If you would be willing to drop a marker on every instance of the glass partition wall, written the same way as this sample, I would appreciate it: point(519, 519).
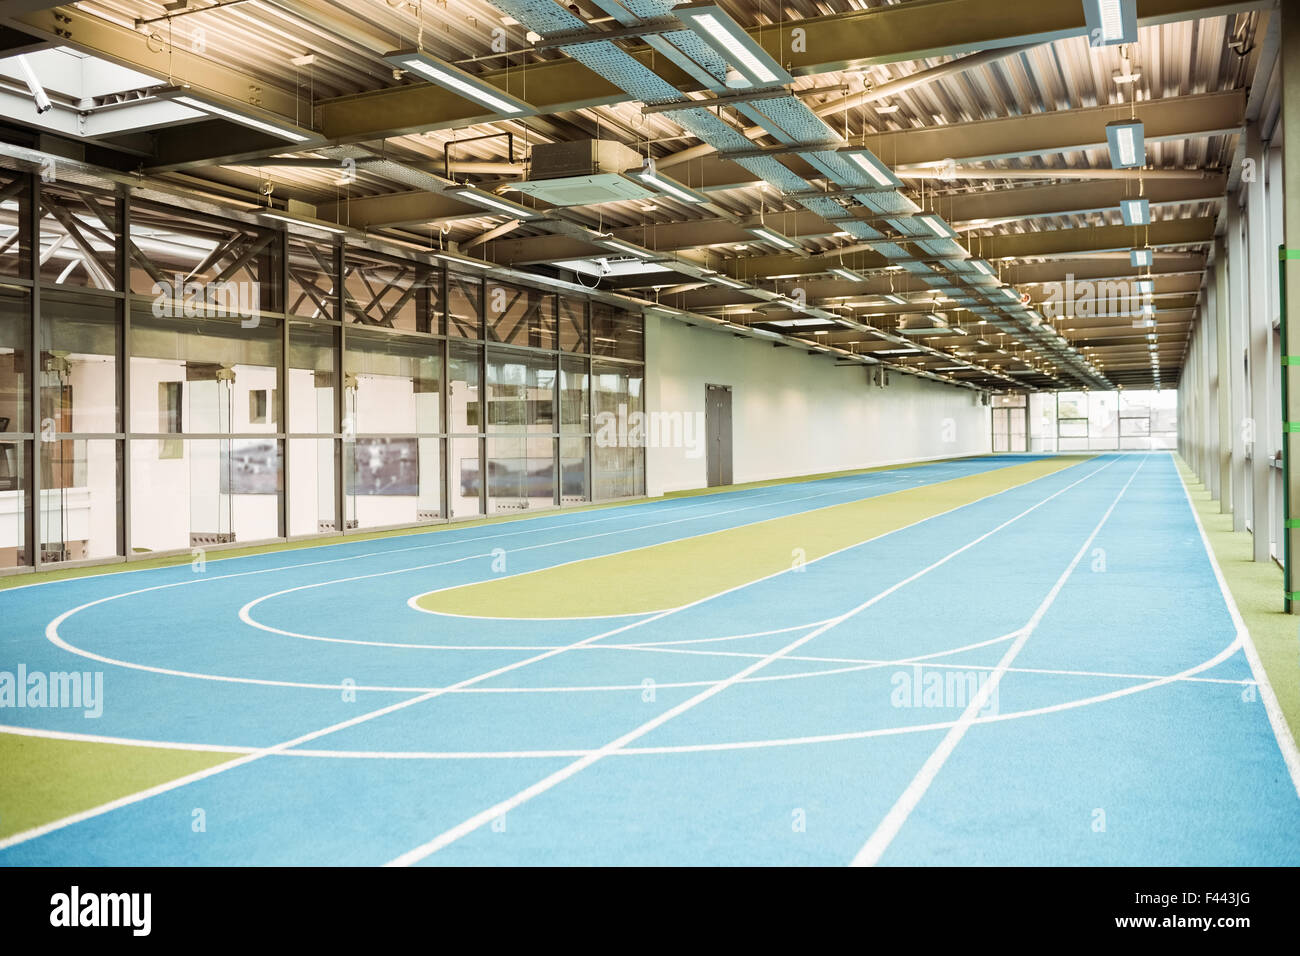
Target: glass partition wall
point(172, 381)
point(1122, 420)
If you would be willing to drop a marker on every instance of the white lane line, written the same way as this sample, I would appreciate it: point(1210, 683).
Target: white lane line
point(861, 482)
point(1210, 664)
point(485, 817)
point(280, 747)
point(893, 821)
point(618, 511)
point(58, 641)
point(245, 612)
point(1186, 676)
point(1276, 719)
point(59, 824)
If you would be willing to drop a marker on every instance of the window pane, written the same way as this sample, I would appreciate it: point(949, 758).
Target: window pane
point(575, 394)
point(392, 481)
point(520, 316)
point(15, 358)
point(312, 377)
point(390, 293)
point(573, 471)
point(1072, 405)
point(215, 491)
point(78, 364)
point(222, 268)
point(393, 383)
point(311, 486)
point(79, 237)
point(521, 473)
point(463, 394)
point(466, 480)
point(13, 508)
point(572, 323)
point(80, 493)
point(464, 306)
point(615, 333)
point(520, 392)
point(617, 464)
point(15, 236)
point(311, 279)
point(226, 374)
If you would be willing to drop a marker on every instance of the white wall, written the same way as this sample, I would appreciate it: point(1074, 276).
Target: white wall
point(799, 414)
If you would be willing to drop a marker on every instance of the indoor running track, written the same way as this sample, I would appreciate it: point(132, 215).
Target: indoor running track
point(1098, 704)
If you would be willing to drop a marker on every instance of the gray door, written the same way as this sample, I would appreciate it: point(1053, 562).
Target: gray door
point(717, 431)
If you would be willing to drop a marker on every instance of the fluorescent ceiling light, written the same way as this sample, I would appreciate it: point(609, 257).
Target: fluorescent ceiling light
point(43, 104)
point(730, 283)
point(1126, 143)
point(846, 274)
point(457, 80)
point(716, 28)
point(626, 247)
point(461, 261)
point(1136, 212)
point(493, 202)
point(896, 299)
point(775, 238)
point(891, 108)
point(275, 129)
point(652, 177)
point(937, 226)
point(795, 323)
point(982, 266)
point(1140, 257)
point(869, 163)
point(303, 222)
point(1110, 21)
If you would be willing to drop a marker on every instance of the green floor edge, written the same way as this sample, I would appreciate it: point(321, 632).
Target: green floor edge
point(221, 554)
point(46, 779)
point(1256, 586)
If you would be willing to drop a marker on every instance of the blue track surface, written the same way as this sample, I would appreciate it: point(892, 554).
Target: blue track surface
point(1125, 727)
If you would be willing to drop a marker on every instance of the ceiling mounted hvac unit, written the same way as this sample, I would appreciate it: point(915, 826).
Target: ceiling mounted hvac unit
point(583, 173)
point(925, 323)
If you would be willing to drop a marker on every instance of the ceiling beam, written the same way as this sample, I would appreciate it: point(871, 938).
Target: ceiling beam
point(1059, 131)
point(402, 210)
point(1048, 243)
point(1000, 204)
point(906, 32)
point(215, 140)
point(1061, 199)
